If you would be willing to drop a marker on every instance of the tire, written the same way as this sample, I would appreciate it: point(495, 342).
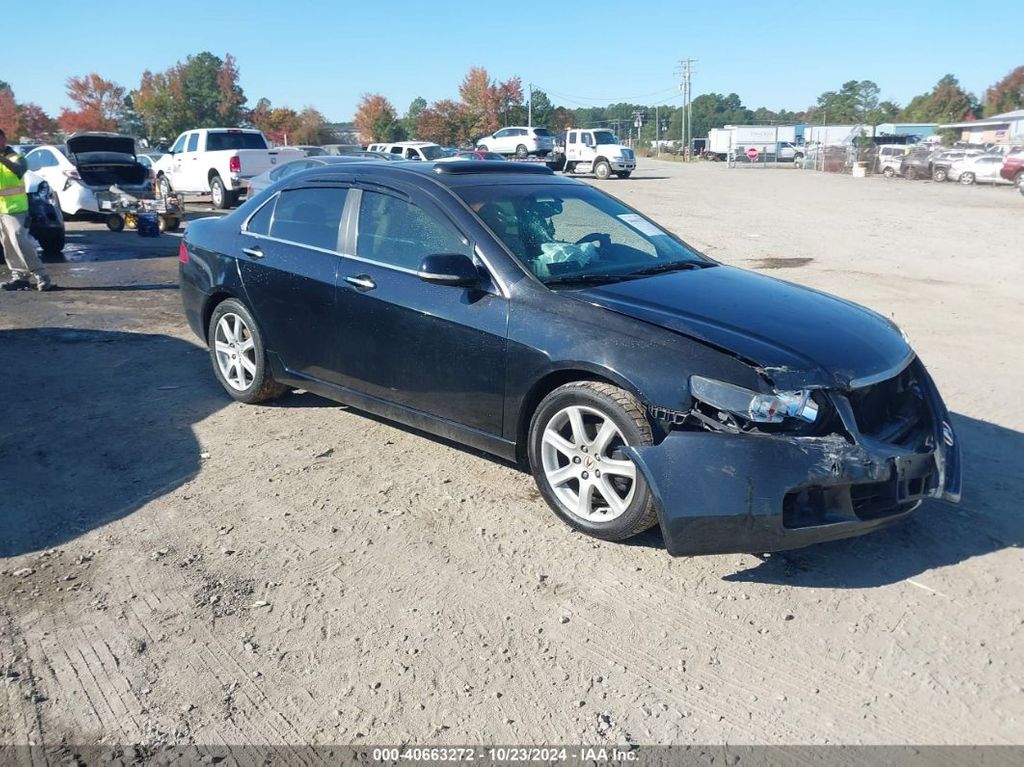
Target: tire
point(1018, 181)
point(624, 173)
point(910, 175)
point(52, 245)
point(233, 337)
point(939, 174)
point(522, 152)
point(164, 187)
point(482, 147)
point(595, 404)
point(602, 170)
point(115, 222)
point(966, 178)
point(888, 173)
point(218, 194)
point(168, 224)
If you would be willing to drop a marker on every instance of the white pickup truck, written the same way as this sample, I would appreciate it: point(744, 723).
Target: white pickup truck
point(597, 151)
point(218, 162)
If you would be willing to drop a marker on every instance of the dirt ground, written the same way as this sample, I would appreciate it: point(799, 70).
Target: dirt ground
point(178, 568)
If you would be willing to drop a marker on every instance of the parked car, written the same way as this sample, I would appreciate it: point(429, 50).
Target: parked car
point(1013, 169)
point(82, 171)
point(521, 141)
point(411, 150)
point(310, 149)
point(917, 164)
point(940, 164)
point(535, 317)
point(342, 148)
point(889, 160)
point(258, 183)
point(218, 162)
point(45, 221)
point(983, 169)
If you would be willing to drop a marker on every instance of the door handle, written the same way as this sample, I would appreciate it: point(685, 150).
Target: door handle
point(254, 252)
point(361, 281)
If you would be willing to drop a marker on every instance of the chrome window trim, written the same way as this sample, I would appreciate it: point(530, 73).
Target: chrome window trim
point(885, 375)
point(245, 224)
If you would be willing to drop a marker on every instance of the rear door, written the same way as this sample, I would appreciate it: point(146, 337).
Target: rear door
point(436, 349)
point(289, 266)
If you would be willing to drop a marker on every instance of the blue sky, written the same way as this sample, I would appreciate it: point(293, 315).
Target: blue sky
point(591, 53)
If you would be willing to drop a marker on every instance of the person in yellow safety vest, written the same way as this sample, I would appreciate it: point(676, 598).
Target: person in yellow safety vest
point(19, 246)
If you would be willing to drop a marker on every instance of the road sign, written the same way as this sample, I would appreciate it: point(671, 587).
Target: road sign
point(752, 154)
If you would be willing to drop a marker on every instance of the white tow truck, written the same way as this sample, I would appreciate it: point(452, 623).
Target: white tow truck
point(596, 151)
point(218, 162)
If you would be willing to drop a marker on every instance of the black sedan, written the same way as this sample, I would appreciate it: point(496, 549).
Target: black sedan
point(539, 319)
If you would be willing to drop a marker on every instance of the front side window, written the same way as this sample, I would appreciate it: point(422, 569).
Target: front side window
point(572, 234)
point(309, 216)
point(605, 137)
point(399, 233)
point(179, 145)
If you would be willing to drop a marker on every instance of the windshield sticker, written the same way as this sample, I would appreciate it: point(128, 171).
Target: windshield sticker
point(641, 224)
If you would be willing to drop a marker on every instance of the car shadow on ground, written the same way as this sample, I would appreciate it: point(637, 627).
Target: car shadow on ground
point(96, 424)
point(989, 518)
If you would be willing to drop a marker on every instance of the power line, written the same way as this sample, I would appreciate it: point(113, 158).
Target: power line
point(595, 101)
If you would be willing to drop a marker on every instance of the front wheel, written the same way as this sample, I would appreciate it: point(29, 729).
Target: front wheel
point(939, 174)
point(219, 194)
point(602, 170)
point(522, 152)
point(576, 441)
point(888, 173)
point(966, 179)
point(238, 354)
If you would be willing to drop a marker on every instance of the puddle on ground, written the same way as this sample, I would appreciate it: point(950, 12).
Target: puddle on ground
point(779, 263)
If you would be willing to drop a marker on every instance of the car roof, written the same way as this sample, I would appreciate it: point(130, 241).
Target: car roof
point(448, 174)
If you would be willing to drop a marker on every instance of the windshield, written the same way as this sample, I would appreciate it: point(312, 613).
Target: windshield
point(433, 152)
point(605, 137)
point(565, 234)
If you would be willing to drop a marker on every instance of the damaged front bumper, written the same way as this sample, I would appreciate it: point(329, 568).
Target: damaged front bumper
point(721, 493)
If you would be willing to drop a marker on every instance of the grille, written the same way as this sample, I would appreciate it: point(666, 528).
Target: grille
point(894, 410)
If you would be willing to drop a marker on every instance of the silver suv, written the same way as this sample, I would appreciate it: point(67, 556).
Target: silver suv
point(518, 140)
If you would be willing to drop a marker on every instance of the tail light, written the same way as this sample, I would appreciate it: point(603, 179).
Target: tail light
point(182, 253)
point(72, 177)
point(235, 164)
point(248, 190)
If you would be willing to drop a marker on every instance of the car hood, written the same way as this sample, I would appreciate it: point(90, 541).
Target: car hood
point(796, 336)
point(101, 142)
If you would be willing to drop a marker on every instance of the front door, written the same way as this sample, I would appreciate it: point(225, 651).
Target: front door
point(437, 349)
point(289, 267)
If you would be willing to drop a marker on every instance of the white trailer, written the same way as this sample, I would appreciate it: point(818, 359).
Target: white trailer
point(774, 141)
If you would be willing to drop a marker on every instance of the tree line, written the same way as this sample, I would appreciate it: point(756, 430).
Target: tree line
point(203, 91)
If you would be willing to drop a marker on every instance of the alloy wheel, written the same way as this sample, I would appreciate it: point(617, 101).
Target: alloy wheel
point(236, 351)
point(581, 454)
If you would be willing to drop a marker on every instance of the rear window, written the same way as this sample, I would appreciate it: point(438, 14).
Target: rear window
point(542, 132)
point(216, 142)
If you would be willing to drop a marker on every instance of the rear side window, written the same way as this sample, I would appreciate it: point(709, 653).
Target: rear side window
point(193, 142)
point(260, 221)
point(309, 216)
point(399, 233)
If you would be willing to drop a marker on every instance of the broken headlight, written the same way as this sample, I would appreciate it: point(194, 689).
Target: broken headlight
point(752, 405)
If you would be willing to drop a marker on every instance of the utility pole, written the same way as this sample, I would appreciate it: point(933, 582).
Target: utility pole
point(685, 71)
point(529, 106)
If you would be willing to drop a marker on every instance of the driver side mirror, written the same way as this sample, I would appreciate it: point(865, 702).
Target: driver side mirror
point(453, 269)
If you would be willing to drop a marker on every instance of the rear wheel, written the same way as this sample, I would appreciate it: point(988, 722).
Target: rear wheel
point(967, 178)
point(1019, 181)
point(163, 186)
point(888, 173)
point(576, 442)
point(939, 174)
point(522, 151)
point(238, 354)
point(482, 147)
point(602, 169)
point(115, 222)
point(218, 194)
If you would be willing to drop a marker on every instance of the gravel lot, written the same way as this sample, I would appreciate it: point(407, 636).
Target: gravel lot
point(178, 568)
